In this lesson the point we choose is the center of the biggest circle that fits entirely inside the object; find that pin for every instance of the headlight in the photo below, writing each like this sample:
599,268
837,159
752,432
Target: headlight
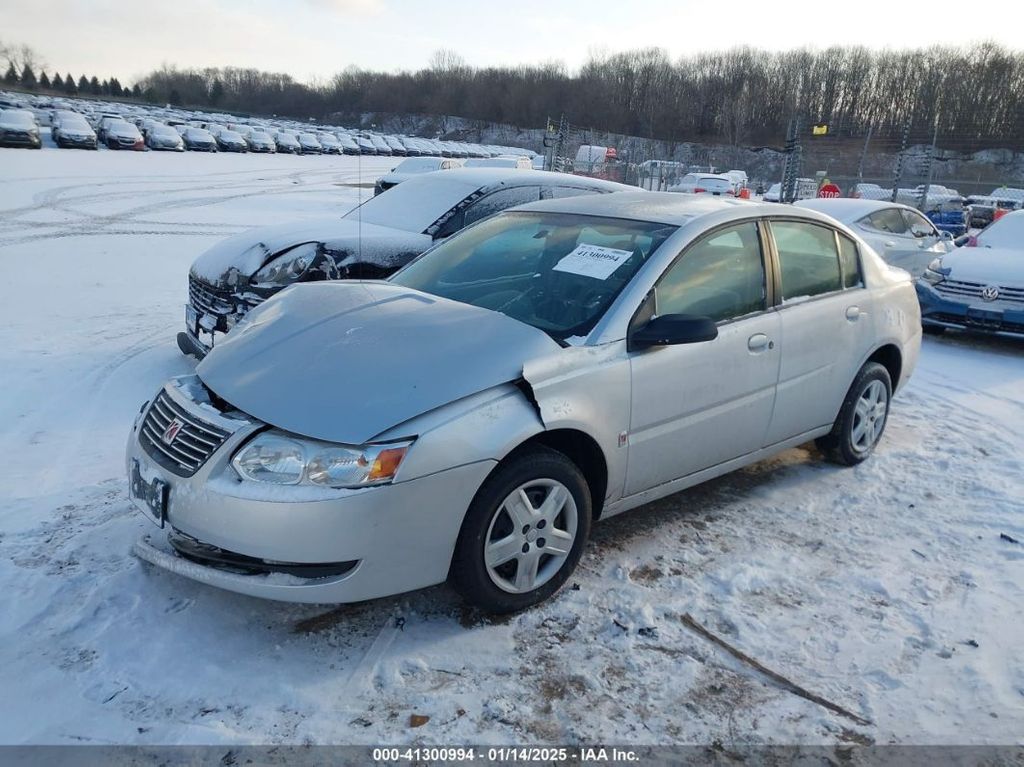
935,273
280,459
289,266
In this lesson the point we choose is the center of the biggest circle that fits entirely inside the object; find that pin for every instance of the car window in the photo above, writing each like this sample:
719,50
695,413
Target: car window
887,220
497,201
721,277
558,192
488,205
808,259
849,262
918,225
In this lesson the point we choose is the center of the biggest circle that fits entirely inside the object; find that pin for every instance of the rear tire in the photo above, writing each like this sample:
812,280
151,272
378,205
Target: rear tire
862,418
524,532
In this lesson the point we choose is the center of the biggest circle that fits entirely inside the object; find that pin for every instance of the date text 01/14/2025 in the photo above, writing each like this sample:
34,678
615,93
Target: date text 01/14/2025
503,754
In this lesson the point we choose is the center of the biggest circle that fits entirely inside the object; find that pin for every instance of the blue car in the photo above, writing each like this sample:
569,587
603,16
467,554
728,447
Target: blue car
950,217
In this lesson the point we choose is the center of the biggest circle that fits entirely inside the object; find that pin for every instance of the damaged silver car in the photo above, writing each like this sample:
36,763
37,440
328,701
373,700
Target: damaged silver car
370,242
471,417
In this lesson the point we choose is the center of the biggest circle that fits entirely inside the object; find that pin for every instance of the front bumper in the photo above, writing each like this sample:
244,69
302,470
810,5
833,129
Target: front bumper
938,311
192,346
390,538
211,311
18,139
85,142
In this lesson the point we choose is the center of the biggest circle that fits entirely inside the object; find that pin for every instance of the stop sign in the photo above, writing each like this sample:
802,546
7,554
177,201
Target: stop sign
829,191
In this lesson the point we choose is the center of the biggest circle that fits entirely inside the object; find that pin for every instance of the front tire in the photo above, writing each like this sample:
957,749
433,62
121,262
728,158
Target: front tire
862,418
524,532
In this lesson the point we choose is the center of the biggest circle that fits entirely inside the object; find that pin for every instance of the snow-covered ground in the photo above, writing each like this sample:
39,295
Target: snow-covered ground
886,588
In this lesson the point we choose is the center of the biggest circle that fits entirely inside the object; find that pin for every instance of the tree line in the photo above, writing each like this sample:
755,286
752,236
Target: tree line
741,96
745,96
66,84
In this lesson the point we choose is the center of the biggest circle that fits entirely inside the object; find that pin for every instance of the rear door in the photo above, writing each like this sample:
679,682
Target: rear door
929,244
889,234
824,311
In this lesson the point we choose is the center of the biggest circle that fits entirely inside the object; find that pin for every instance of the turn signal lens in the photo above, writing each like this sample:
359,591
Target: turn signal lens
387,463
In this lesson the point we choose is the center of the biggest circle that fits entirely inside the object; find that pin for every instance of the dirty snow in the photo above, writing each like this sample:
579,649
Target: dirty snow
886,588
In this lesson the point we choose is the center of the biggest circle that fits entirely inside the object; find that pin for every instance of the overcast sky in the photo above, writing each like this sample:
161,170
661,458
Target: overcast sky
316,38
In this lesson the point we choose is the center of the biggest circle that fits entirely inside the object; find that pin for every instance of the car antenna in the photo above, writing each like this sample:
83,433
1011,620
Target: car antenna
359,208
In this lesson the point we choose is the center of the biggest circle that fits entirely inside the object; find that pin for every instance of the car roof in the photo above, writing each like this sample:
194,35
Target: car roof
483,178
849,208
659,207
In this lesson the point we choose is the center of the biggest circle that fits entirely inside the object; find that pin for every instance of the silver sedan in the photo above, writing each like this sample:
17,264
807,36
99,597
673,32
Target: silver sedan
469,418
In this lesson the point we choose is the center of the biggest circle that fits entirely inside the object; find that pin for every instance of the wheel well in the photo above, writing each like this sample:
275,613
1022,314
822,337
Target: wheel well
889,357
582,450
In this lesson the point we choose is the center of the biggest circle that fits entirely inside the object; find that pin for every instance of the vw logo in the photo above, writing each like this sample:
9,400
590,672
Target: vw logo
990,293
171,431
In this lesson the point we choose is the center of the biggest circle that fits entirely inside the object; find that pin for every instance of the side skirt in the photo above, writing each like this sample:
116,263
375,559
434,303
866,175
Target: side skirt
676,485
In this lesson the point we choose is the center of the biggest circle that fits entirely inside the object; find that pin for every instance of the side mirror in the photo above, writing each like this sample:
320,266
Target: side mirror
945,234
672,329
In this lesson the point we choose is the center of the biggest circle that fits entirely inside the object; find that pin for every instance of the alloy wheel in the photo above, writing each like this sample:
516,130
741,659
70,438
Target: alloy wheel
869,416
530,536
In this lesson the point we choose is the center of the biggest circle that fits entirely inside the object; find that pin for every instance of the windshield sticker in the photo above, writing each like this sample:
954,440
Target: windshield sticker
593,261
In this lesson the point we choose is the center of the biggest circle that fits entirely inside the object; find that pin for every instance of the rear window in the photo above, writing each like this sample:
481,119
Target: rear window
808,259
714,184
887,220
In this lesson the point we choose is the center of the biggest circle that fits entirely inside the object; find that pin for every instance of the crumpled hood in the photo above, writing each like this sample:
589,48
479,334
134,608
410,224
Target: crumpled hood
239,257
345,361
988,266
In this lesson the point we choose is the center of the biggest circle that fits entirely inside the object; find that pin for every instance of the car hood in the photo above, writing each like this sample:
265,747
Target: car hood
345,361
987,266
233,261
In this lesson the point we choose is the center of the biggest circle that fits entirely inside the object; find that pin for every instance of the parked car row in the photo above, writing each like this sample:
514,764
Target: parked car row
84,123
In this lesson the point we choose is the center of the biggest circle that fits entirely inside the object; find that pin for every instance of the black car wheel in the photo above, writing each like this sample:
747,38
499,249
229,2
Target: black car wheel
524,532
862,418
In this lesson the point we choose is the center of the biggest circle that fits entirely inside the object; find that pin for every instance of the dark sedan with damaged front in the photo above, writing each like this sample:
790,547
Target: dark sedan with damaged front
370,242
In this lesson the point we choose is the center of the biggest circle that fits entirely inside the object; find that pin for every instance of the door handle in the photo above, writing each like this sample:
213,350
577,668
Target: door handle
759,342
889,243
853,313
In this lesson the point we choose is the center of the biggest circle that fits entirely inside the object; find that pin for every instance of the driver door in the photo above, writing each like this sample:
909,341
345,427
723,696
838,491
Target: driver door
697,405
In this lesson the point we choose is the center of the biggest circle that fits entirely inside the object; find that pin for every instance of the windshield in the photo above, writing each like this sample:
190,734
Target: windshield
415,204
558,272
1007,232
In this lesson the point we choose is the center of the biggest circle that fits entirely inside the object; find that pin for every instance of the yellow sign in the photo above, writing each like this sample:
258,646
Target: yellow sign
819,130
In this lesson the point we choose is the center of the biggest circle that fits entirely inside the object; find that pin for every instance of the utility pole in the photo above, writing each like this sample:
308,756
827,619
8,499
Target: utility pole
792,167
899,162
864,154
922,204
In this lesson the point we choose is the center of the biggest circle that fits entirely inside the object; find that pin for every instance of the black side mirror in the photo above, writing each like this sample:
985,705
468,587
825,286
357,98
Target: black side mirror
672,329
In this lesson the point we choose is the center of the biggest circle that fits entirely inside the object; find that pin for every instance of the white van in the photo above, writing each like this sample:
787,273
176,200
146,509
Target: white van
739,179
592,160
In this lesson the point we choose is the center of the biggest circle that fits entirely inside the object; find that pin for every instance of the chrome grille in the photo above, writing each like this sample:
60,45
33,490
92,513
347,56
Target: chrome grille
207,299
958,289
190,448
